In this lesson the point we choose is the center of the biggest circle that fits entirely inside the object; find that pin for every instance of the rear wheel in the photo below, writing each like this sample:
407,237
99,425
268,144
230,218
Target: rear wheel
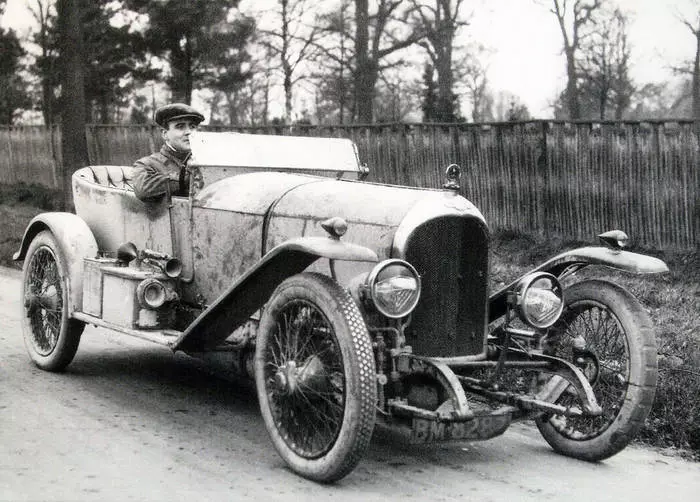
606,332
50,336
315,376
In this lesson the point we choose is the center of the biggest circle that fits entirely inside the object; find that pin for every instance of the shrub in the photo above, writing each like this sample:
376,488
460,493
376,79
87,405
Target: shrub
33,195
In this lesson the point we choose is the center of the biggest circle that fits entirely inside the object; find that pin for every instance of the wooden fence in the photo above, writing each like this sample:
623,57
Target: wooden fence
555,178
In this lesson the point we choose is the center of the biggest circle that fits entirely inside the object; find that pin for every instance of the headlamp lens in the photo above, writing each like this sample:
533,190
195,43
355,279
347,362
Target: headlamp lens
394,288
542,300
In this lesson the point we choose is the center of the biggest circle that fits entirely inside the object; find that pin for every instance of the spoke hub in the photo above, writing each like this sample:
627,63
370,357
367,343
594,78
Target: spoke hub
48,301
285,378
311,375
588,363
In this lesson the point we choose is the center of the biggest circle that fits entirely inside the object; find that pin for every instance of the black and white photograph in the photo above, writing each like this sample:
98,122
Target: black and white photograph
349,250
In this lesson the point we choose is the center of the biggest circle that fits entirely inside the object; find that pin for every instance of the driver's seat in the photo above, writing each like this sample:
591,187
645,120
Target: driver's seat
113,176
104,198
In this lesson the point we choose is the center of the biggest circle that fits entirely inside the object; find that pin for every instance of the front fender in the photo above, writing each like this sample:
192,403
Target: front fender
577,259
76,241
251,291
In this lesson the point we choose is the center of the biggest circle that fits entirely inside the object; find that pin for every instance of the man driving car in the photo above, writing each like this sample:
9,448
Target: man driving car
165,173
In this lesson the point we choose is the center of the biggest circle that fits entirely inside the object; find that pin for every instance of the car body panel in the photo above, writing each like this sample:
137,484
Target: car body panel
248,293
76,242
237,220
578,258
115,215
225,229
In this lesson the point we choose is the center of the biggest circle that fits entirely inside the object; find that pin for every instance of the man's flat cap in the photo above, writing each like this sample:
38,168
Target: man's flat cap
175,111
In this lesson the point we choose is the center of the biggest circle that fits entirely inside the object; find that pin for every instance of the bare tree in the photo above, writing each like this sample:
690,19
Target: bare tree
658,100
335,64
293,41
606,87
398,96
693,67
377,35
473,73
44,14
439,21
364,44
509,108
573,16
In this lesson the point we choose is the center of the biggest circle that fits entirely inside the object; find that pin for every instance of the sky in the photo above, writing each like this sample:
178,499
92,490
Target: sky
528,60
525,42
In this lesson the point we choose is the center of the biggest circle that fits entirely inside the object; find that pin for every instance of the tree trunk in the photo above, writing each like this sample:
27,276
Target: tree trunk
47,98
445,28
445,111
696,81
286,68
287,97
189,77
104,109
363,81
74,147
571,86
178,87
342,89
266,102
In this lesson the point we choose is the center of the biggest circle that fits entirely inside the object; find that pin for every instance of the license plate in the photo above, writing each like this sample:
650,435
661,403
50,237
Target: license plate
480,427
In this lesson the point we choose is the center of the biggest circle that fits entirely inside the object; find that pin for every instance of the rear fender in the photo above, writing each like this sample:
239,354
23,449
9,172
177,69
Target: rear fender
75,241
576,259
251,291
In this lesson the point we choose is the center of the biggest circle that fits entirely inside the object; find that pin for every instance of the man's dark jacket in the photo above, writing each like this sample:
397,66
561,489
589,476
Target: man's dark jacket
163,173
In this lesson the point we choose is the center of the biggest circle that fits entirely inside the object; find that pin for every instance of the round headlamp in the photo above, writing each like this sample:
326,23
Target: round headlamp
151,293
540,299
394,288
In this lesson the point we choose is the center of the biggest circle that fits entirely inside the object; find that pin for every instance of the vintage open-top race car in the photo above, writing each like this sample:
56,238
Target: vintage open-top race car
348,302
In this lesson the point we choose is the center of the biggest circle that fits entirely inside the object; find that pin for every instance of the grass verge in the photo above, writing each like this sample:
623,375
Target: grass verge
673,303
672,300
18,205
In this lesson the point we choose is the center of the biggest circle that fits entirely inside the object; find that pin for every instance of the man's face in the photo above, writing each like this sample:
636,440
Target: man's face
178,133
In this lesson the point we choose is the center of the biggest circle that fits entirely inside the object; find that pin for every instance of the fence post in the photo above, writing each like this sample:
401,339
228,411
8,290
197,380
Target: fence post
456,157
543,166
13,174
695,227
403,154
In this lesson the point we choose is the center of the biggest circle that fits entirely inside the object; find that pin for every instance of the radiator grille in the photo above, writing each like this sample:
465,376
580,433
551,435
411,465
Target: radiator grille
451,256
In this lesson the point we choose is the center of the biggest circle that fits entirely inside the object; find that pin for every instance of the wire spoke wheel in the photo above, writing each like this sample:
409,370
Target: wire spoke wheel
315,377
50,336
43,300
304,379
608,351
608,335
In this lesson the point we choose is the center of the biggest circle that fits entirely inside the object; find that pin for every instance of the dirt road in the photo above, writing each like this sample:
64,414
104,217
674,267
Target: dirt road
132,421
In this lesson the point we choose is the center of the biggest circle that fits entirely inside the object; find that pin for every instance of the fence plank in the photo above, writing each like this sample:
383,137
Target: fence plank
551,177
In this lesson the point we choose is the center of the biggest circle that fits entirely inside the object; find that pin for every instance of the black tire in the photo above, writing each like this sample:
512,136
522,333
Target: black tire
50,336
620,361
315,377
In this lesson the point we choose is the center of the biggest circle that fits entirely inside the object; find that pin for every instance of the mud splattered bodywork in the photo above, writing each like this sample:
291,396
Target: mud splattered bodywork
348,302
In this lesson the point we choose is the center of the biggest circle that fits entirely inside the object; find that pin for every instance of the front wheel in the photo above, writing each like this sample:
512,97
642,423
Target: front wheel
50,336
315,377
606,332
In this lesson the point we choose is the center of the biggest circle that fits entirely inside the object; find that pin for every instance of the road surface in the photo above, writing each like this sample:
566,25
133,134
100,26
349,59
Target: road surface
133,421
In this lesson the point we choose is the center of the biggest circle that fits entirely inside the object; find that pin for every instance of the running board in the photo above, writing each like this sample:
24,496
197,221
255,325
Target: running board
166,337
